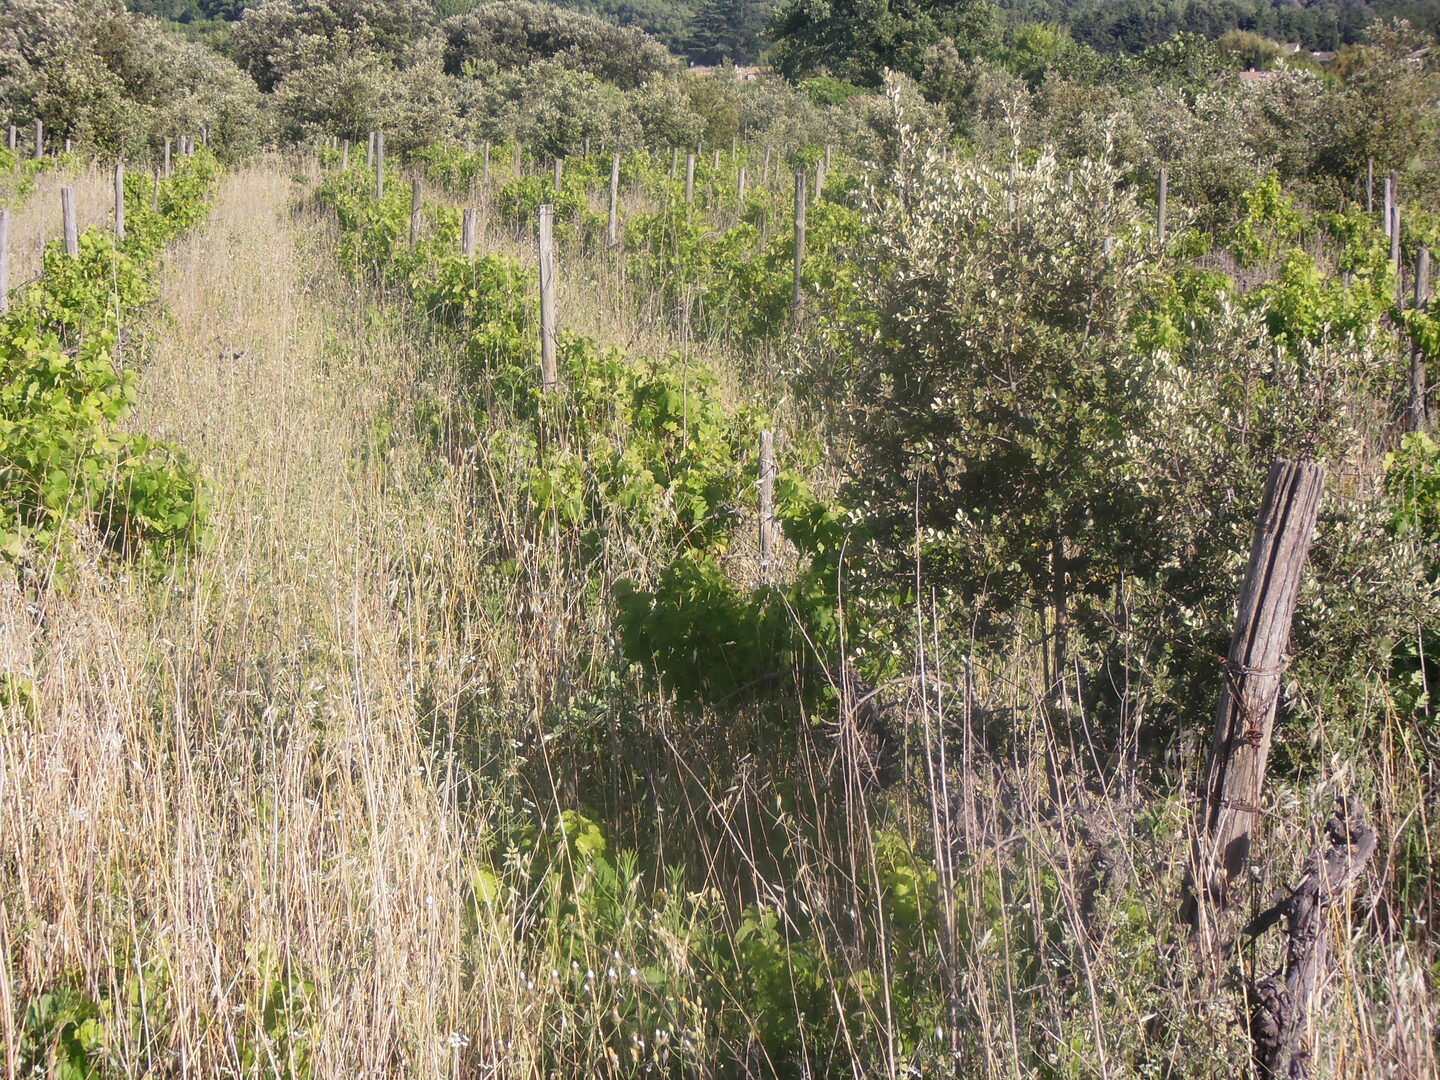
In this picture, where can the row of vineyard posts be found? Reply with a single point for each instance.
(185, 144)
(809, 185)
(1233, 784)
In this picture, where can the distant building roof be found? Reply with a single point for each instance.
(1256, 76)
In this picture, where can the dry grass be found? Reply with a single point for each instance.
(225, 780)
(249, 776)
(36, 220)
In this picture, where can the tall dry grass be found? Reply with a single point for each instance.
(246, 805)
(35, 217)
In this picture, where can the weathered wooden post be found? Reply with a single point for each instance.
(1395, 235)
(716, 163)
(612, 228)
(690, 178)
(39, 139)
(379, 165)
(10, 139)
(1160, 203)
(798, 300)
(559, 167)
(740, 188)
(4, 260)
(467, 232)
(1370, 185)
(155, 193)
(345, 155)
(768, 528)
(587, 146)
(414, 212)
(1392, 198)
(1419, 411)
(674, 162)
(1235, 776)
(67, 144)
(819, 179)
(67, 214)
(518, 158)
(120, 201)
(734, 149)
(485, 164)
(548, 335)
(828, 150)
(765, 169)
(165, 166)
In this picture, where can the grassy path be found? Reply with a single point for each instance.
(221, 803)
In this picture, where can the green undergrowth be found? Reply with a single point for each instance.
(894, 943)
(69, 378)
(627, 446)
(647, 455)
(18, 174)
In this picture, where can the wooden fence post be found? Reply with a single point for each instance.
(559, 167)
(587, 146)
(1395, 235)
(519, 160)
(345, 155)
(1419, 418)
(1392, 197)
(120, 201)
(379, 165)
(612, 230)
(4, 260)
(1235, 775)
(798, 300)
(10, 139)
(819, 179)
(716, 163)
(39, 139)
(1370, 185)
(485, 164)
(828, 150)
(740, 196)
(414, 212)
(166, 162)
(1160, 203)
(674, 162)
(67, 214)
(767, 503)
(690, 178)
(467, 232)
(548, 335)
(67, 144)
(765, 169)
(734, 149)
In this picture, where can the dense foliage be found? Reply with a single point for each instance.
(118, 84)
(877, 760)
